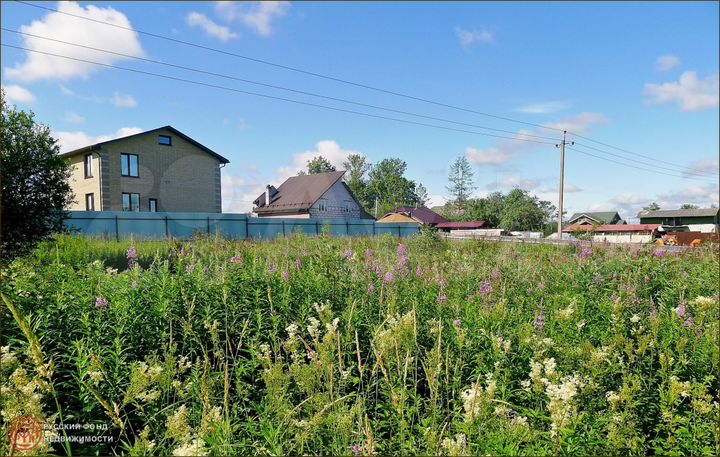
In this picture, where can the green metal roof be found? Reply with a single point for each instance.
(604, 217)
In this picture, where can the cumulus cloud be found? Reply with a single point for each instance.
(73, 118)
(491, 156)
(667, 63)
(544, 108)
(436, 200)
(690, 93)
(568, 188)
(123, 100)
(329, 149)
(581, 123)
(709, 166)
(210, 28)
(515, 181)
(258, 16)
(71, 29)
(239, 193)
(18, 94)
(69, 141)
(469, 37)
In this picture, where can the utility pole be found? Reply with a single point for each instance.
(376, 207)
(562, 181)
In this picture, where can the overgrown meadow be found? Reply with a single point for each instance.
(364, 346)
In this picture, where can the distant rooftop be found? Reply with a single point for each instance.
(700, 212)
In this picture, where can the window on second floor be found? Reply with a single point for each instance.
(165, 140)
(129, 165)
(130, 201)
(348, 206)
(322, 205)
(88, 166)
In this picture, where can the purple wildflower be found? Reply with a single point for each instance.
(585, 253)
(298, 263)
(389, 277)
(348, 253)
(539, 322)
(190, 268)
(369, 253)
(237, 259)
(101, 302)
(418, 271)
(441, 282)
(689, 322)
(496, 274)
(680, 310)
(286, 275)
(357, 449)
(402, 250)
(402, 265)
(132, 254)
(457, 322)
(659, 253)
(371, 289)
(485, 289)
(442, 298)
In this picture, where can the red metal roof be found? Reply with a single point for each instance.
(612, 228)
(461, 225)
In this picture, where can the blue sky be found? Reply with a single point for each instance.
(642, 77)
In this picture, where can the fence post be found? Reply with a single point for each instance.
(283, 227)
(347, 227)
(317, 227)
(117, 229)
(399, 236)
(247, 228)
(167, 233)
(374, 224)
(208, 226)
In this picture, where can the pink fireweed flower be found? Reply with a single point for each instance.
(101, 302)
(371, 289)
(585, 253)
(441, 282)
(418, 271)
(680, 310)
(496, 274)
(132, 254)
(457, 322)
(442, 298)
(402, 250)
(348, 253)
(389, 277)
(485, 289)
(298, 263)
(286, 275)
(689, 322)
(237, 259)
(402, 265)
(539, 322)
(369, 253)
(357, 449)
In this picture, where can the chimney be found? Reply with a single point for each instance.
(267, 195)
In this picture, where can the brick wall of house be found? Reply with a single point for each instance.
(81, 185)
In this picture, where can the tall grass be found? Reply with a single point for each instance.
(366, 346)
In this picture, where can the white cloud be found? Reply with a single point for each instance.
(238, 193)
(581, 123)
(73, 118)
(571, 188)
(436, 200)
(516, 181)
(489, 156)
(71, 29)
(69, 141)
(329, 149)
(212, 29)
(123, 100)
(65, 91)
(258, 16)
(544, 108)
(469, 37)
(690, 93)
(629, 199)
(709, 166)
(667, 63)
(18, 94)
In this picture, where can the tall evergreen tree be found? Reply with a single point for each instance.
(461, 181)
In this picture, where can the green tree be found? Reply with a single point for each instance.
(525, 212)
(35, 188)
(388, 184)
(357, 167)
(688, 206)
(652, 207)
(421, 195)
(316, 165)
(461, 181)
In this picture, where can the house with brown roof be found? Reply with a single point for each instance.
(313, 196)
(160, 170)
(421, 215)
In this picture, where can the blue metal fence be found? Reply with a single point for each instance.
(120, 224)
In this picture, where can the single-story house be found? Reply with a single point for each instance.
(618, 233)
(313, 196)
(421, 215)
(704, 220)
(596, 218)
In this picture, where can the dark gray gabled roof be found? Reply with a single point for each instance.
(298, 193)
(169, 128)
(700, 212)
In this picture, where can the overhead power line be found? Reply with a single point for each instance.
(273, 97)
(634, 166)
(273, 86)
(289, 68)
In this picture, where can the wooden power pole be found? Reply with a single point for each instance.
(562, 181)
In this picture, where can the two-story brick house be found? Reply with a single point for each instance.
(315, 196)
(158, 170)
